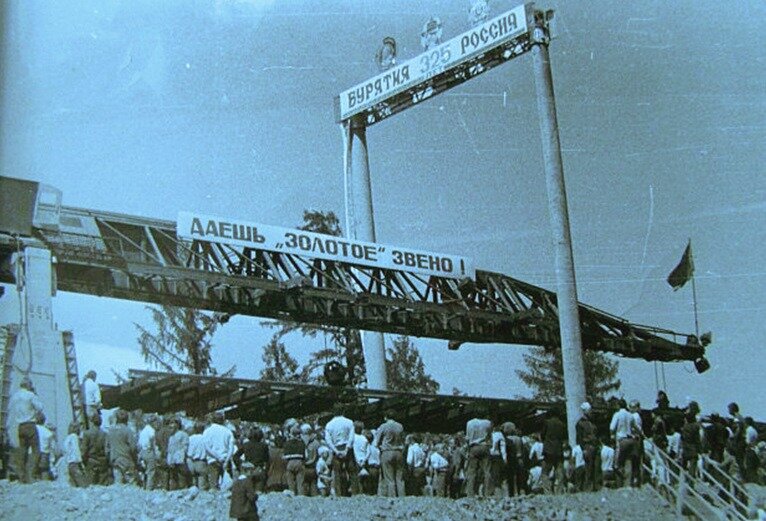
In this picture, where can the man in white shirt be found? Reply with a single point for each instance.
(626, 433)
(219, 447)
(24, 408)
(478, 436)
(361, 453)
(416, 462)
(497, 459)
(439, 466)
(607, 464)
(339, 436)
(196, 456)
(374, 481)
(147, 450)
(47, 448)
(92, 395)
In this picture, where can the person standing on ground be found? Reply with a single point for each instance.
(478, 432)
(498, 458)
(625, 431)
(361, 454)
(178, 446)
(587, 439)
(23, 410)
(691, 443)
(47, 448)
(416, 462)
(220, 448)
(373, 481)
(339, 436)
(310, 463)
(148, 452)
(73, 456)
(515, 469)
(554, 435)
(92, 396)
(389, 438)
(294, 455)
(121, 445)
(197, 457)
(94, 457)
(244, 497)
(439, 466)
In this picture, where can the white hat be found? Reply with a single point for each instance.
(585, 407)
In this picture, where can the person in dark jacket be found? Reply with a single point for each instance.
(256, 452)
(94, 457)
(587, 439)
(294, 455)
(554, 435)
(244, 498)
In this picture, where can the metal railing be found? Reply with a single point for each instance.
(711, 494)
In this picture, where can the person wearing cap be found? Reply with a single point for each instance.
(23, 410)
(294, 455)
(91, 395)
(122, 450)
(587, 439)
(196, 457)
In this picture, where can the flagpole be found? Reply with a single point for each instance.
(694, 298)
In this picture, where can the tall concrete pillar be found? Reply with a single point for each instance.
(39, 349)
(360, 225)
(566, 288)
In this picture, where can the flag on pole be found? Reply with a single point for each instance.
(682, 273)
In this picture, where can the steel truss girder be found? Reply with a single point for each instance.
(140, 259)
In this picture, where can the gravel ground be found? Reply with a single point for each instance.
(54, 501)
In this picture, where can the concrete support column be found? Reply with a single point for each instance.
(566, 288)
(360, 225)
(39, 349)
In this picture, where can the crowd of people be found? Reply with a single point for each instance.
(343, 457)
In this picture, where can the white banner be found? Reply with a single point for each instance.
(192, 226)
(450, 54)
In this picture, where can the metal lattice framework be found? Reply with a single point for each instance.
(274, 402)
(141, 259)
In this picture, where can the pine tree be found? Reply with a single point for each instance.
(279, 365)
(405, 370)
(182, 341)
(340, 344)
(545, 374)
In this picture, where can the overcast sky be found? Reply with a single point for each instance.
(226, 108)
